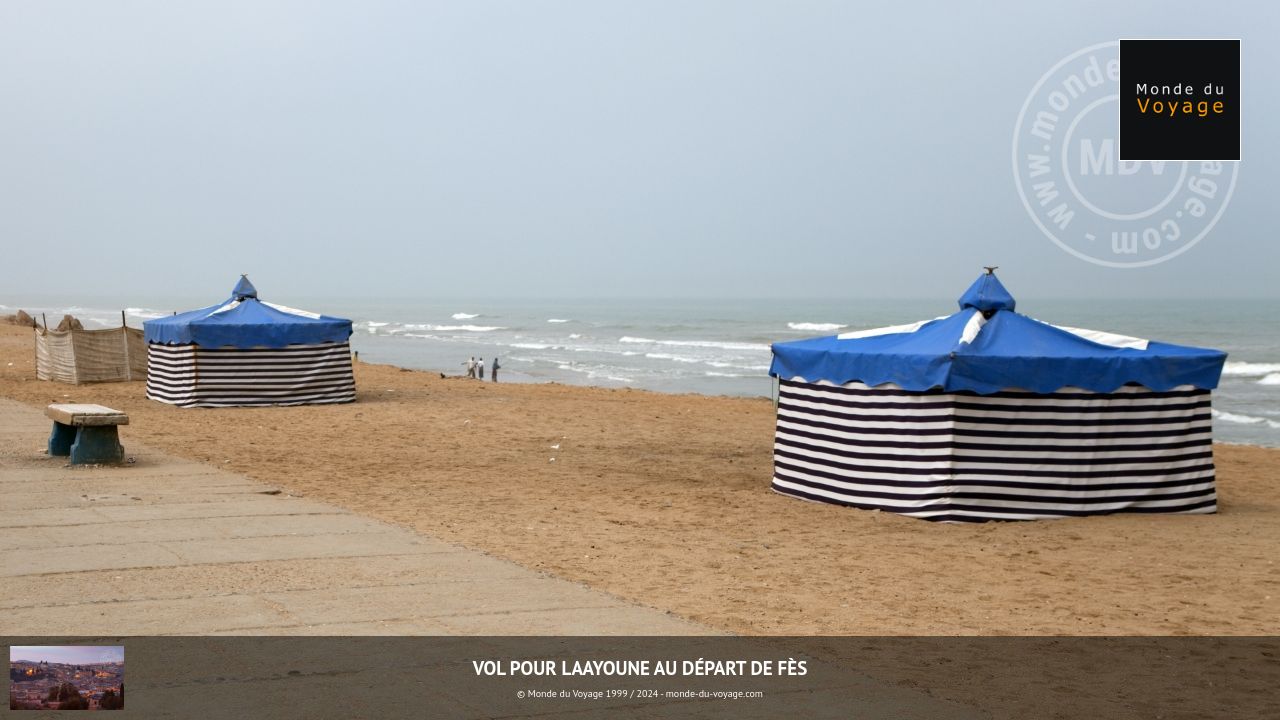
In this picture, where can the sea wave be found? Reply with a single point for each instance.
(1272, 379)
(673, 358)
(464, 328)
(557, 320)
(145, 313)
(816, 327)
(750, 368)
(574, 336)
(1250, 369)
(695, 343)
(464, 316)
(757, 368)
(597, 372)
(1244, 419)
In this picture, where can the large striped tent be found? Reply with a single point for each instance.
(247, 352)
(988, 414)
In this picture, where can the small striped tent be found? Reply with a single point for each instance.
(991, 415)
(246, 352)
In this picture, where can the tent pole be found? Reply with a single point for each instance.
(124, 338)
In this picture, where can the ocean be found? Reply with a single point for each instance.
(721, 347)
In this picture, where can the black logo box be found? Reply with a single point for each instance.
(1186, 68)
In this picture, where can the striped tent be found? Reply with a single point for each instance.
(988, 414)
(247, 352)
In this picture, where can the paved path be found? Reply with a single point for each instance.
(164, 546)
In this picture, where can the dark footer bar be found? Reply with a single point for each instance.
(647, 677)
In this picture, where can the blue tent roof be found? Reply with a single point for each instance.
(245, 321)
(987, 347)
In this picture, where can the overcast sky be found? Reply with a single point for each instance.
(561, 149)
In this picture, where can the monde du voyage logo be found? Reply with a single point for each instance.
(1124, 152)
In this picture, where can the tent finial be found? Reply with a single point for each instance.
(987, 294)
(991, 269)
(244, 289)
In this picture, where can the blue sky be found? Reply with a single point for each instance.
(568, 149)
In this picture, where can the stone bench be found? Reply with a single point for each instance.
(87, 433)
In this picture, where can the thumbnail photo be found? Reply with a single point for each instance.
(66, 677)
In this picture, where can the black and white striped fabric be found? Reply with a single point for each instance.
(1008, 456)
(194, 376)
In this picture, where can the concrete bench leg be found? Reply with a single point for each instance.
(61, 438)
(97, 444)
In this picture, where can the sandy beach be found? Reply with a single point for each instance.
(664, 500)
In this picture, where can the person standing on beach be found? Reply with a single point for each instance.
(480, 368)
(471, 366)
(495, 369)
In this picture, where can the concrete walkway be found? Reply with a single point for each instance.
(163, 546)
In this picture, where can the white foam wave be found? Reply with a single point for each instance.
(1248, 369)
(557, 320)
(596, 372)
(674, 358)
(695, 343)
(574, 336)
(464, 316)
(145, 313)
(1272, 379)
(758, 368)
(1244, 419)
(531, 346)
(464, 328)
(816, 327)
